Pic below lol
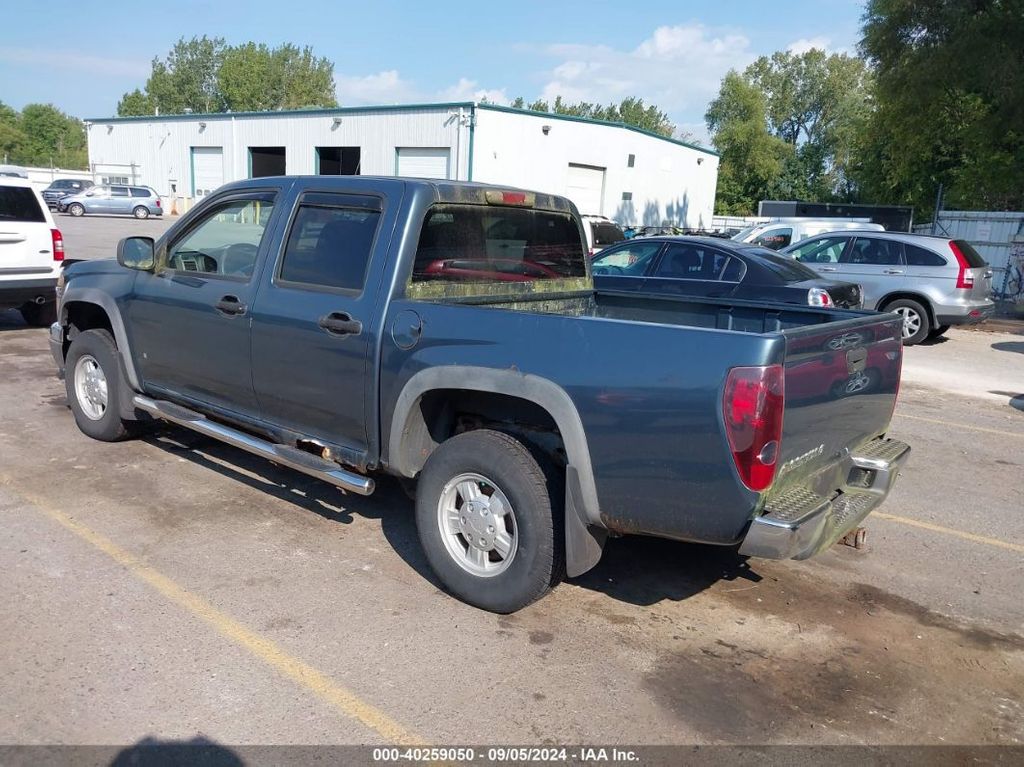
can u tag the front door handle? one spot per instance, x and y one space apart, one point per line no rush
826 269
892 271
341 324
230 305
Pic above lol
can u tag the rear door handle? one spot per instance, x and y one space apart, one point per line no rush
341 324
230 305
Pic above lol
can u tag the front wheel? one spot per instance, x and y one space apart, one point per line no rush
94 382
916 324
488 512
141 211
76 209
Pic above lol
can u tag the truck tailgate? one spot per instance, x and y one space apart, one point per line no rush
841 384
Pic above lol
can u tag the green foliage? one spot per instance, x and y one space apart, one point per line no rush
814 104
41 135
630 111
206 75
949 106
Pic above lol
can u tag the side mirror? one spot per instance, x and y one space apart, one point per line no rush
137 253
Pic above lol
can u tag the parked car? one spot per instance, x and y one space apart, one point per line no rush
782 232
932 282
31 252
601 232
717 268
535 418
138 201
63 187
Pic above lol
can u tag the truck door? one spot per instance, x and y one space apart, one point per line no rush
314 329
189 320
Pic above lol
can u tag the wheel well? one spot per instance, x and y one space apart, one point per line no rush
82 316
442 413
912 297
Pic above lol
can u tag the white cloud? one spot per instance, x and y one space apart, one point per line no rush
82 63
678 68
469 90
385 87
805 44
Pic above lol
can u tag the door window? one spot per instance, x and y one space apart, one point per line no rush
823 250
630 260
775 238
330 241
118 191
226 240
874 252
687 261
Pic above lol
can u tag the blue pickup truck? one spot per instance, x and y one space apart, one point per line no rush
449 334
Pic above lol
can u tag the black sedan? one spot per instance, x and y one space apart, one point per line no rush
716 268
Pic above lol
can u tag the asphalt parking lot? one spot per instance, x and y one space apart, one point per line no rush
172 587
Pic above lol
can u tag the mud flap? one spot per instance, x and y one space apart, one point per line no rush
584 543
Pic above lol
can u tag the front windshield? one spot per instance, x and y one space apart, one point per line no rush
743 234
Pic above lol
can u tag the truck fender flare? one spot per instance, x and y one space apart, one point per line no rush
584 531
110 308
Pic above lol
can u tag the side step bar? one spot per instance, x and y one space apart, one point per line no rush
285 455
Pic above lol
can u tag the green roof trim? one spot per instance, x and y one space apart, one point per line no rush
574 118
333 111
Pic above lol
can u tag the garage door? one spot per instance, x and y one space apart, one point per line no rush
423 162
585 187
207 169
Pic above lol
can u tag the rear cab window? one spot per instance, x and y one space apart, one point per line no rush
19 203
775 238
606 233
469 250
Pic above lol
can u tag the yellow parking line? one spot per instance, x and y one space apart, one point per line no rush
950 531
342 700
1018 435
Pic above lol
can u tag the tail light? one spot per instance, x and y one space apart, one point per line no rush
819 297
964 281
158 202
752 408
58 244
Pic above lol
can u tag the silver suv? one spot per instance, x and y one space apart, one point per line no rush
933 282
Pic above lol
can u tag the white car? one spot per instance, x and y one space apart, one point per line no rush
31 252
601 232
782 232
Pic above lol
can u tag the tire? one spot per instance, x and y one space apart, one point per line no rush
498 465
76 209
92 350
40 315
141 211
938 331
916 324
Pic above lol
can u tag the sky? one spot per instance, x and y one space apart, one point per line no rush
82 56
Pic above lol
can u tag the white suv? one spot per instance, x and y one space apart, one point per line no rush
31 253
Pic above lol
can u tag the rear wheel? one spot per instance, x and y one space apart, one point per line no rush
76 209
938 331
40 315
141 211
94 384
916 324
487 512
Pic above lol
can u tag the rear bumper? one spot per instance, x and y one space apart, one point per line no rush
965 315
800 523
14 293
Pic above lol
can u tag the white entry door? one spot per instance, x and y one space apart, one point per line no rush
423 162
585 186
207 169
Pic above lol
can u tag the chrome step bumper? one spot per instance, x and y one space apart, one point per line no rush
800 523
285 455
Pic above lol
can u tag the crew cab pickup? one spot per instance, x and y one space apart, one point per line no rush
449 334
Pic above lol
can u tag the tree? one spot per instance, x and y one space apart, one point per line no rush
948 102
206 75
41 135
752 158
630 111
12 138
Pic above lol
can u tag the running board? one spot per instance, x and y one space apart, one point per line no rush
285 455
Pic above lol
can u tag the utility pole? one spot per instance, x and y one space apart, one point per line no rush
938 209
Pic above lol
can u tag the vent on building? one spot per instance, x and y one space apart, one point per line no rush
631 161
627 196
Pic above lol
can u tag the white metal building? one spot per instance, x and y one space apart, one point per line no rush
625 173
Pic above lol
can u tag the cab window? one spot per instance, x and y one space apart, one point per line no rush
630 260
824 250
226 240
775 239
